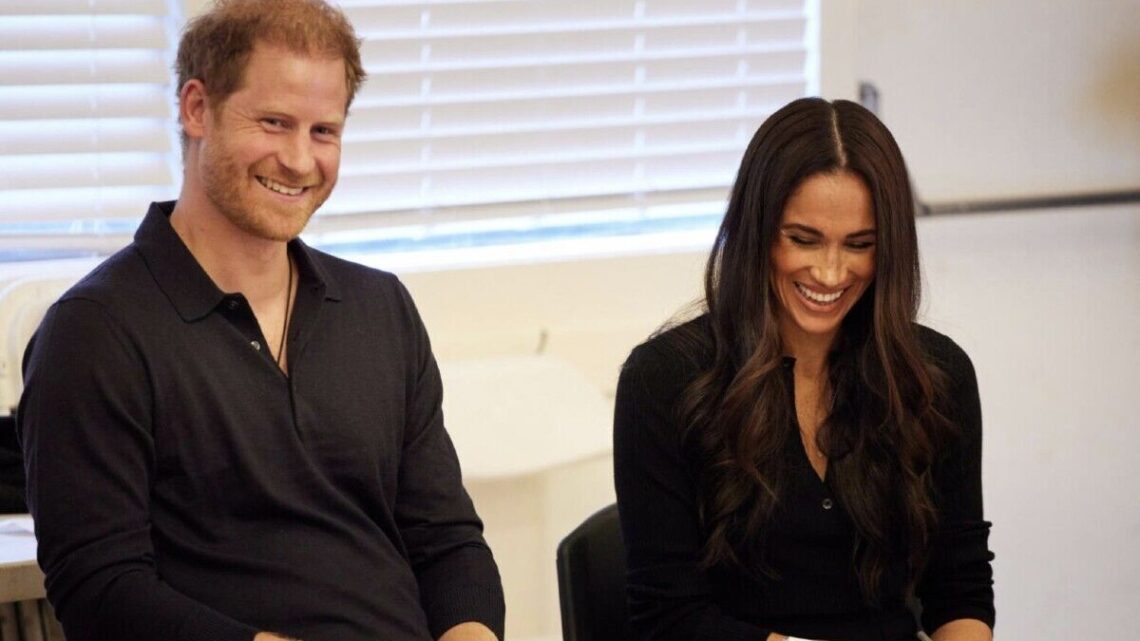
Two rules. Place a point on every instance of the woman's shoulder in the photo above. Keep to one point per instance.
(944, 352)
(959, 398)
(670, 359)
(677, 347)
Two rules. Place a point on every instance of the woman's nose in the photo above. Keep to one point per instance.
(828, 270)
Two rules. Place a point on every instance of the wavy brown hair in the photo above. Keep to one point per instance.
(883, 427)
(216, 45)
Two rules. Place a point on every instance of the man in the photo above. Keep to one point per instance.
(228, 434)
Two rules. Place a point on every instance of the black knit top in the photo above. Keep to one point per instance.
(813, 590)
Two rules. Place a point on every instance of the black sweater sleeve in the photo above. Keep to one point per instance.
(958, 580)
(669, 594)
(84, 423)
(457, 575)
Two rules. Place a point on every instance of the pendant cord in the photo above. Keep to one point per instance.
(288, 313)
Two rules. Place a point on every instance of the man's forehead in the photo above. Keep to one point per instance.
(265, 52)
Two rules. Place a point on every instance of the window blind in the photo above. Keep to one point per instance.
(491, 114)
(483, 118)
(86, 121)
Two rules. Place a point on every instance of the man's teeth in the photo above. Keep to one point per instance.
(817, 297)
(279, 188)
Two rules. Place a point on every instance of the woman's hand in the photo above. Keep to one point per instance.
(469, 631)
(963, 630)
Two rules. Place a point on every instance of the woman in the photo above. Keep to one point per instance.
(803, 459)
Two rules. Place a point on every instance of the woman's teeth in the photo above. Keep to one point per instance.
(817, 297)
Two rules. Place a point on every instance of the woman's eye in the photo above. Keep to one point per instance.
(861, 245)
(800, 240)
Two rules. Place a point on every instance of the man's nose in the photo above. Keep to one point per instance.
(297, 156)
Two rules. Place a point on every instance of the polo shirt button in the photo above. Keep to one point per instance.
(828, 504)
(256, 345)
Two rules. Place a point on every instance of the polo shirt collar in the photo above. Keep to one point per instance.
(188, 286)
(311, 265)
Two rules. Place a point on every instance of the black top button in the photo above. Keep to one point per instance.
(828, 504)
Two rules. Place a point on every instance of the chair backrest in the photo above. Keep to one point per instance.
(591, 580)
(23, 302)
(12, 482)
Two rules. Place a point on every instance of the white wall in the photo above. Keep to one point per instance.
(1007, 97)
(1047, 305)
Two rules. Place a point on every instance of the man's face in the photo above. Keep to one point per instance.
(270, 152)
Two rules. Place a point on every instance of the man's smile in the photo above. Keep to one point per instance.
(280, 188)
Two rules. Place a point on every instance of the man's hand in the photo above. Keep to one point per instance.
(469, 631)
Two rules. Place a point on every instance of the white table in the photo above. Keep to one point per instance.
(20, 576)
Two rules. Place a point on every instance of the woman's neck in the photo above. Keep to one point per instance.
(811, 353)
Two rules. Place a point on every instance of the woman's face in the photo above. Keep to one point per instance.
(823, 258)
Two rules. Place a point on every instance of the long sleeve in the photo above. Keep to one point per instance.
(958, 580)
(457, 575)
(670, 597)
(85, 427)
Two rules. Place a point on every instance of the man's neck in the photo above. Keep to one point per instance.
(234, 259)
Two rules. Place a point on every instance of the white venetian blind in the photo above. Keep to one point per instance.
(556, 110)
(86, 122)
(479, 115)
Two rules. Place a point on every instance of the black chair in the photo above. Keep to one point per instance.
(591, 580)
(11, 468)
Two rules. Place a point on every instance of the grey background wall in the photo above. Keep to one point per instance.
(999, 98)
(1008, 97)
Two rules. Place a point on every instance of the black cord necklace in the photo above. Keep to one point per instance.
(288, 313)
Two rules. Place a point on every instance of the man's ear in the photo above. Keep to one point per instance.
(193, 103)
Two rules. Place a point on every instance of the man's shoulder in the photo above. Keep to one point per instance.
(367, 292)
(350, 275)
(98, 310)
(114, 282)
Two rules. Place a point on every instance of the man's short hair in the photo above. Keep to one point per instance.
(216, 45)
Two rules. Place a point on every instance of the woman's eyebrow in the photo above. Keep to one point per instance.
(802, 228)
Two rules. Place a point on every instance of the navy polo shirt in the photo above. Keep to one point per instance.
(185, 488)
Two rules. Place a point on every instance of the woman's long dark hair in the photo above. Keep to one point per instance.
(883, 427)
